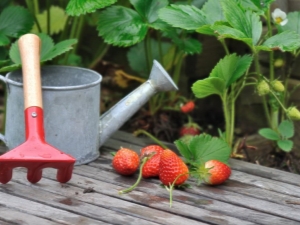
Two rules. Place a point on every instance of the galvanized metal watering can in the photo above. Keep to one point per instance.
(71, 97)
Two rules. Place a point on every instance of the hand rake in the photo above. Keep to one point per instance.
(35, 153)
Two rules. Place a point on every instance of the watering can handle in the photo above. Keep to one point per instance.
(29, 45)
(2, 137)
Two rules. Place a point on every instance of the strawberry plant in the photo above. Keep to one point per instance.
(281, 136)
(150, 38)
(242, 21)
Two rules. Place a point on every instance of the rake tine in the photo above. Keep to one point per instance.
(5, 175)
(64, 174)
(34, 175)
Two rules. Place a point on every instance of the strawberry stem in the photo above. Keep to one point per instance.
(140, 131)
(144, 160)
(170, 188)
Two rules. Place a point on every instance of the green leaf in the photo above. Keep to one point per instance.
(10, 68)
(148, 9)
(59, 49)
(228, 32)
(245, 21)
(269, 134)
(137, 58)
(213, 11)
(205, 147)
(121, 26)
(286, 129)
(15, 21)
(188, 45)
(182, 16)
(285, 41)
(285, 145)
(208, 86)
(254, 5)
(4, 40)
(48, 49)
(184, 150)
(58, 20)
(231, 68)
(79, 7)
(293, 22)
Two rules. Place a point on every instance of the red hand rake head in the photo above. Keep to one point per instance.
(34, 154)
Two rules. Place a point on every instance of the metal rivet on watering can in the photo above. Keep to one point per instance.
(34, 114)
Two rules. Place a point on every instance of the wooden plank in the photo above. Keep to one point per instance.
(152, 201)
(70, 202)
(7, 223)
(113, 202)
(257, 203)
(15, 217)
(264, 183)
(41, 210)
(266, 172)
(218, 204)
(260, 193)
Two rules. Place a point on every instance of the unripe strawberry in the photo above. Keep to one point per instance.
(293, 113)
(277, 86)
(278, 63)
(262, 88)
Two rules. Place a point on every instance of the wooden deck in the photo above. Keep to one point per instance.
(253, 195)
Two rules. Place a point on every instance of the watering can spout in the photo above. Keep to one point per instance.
(159, 81)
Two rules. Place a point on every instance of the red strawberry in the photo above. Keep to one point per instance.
(189, 129)
(171, 167)
(218, 172)
(126, 161)
(187, 107)
(151, 167)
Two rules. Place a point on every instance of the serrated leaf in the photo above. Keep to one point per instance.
(254, 5)
(208, 86)
(269, 134)
(285, 145)
(188, 45)
(121, 26)
(81, 7)
(148, 9)
(224, 31)
(286, 129)
(205, 147)
(206, 29)
(231, 68)
(15, 21)
(58, 20)
(293, 23)
(59, 49)
(184, 150)
(245, 21)
(213, 11)
(182, 16)
(4, 40)
(285, 41)
(137, 58)
(48, 49)
(10, 68)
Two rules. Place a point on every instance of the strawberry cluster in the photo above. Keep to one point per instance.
(168, 167)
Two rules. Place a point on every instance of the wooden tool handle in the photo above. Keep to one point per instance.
(29, 45)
